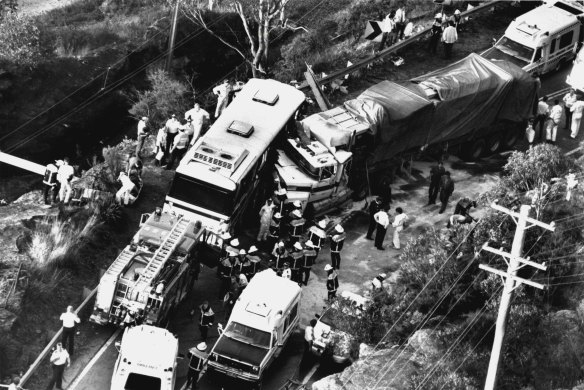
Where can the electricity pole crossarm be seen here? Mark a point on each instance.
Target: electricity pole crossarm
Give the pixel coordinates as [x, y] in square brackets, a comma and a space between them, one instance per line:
[515, 278]
[519, 259]
[511, 281]
[534, 222]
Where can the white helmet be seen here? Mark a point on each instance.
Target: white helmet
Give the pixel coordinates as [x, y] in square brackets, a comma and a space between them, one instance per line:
[438, 16]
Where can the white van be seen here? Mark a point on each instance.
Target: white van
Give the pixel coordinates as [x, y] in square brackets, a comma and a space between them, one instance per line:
[262, 321]
[576, 77]
[146, 360]
[542, 39]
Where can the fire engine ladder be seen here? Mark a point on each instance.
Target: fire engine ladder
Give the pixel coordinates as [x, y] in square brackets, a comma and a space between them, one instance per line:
[162, 254]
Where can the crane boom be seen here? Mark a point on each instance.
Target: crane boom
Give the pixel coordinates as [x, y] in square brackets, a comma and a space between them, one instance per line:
[22, 163]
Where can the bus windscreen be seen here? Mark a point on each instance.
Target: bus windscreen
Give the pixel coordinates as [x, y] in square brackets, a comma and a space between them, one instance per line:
[202, 194]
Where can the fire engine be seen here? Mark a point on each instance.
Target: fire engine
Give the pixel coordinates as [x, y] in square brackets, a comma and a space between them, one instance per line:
[152, 274]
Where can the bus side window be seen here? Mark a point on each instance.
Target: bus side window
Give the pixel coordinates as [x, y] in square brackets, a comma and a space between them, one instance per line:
[553, 46]
[566, 39]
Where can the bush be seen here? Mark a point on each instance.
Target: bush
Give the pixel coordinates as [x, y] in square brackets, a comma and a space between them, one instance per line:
[110, 212]
[165, 97]
[19, 41]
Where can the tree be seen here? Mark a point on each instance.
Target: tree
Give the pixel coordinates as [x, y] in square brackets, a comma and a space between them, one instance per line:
[165, 97]
[258, 18]
[19, 40]
[7, 6]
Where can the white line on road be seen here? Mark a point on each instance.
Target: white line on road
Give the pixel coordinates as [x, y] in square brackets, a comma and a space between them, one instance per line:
[308, 376]
[92, 362]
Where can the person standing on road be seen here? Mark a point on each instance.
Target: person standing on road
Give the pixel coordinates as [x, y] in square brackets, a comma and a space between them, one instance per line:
[160, 146]
[398, 226]
[554, 122]
[296, 226]
[400, 23]
[316, 234]
[446, 190]
[274, 232]
[197, 358]
[449, 37]
[569, 100]
[337, 241]
[576, 112]
[332, 282]
[222, 91]
[179, 147]
[50, 182]
[309, 337]
[69, 320]
[309, 260]
[388, 36]
[143, 133]
[64, 176]
[435, 33]
[382, 220]
[172, 125]
[436, 173]
[287, 272]
[374, 207]
[266, 213]
[206, 320]
[539, 125]
[59, 358]
[297, 260]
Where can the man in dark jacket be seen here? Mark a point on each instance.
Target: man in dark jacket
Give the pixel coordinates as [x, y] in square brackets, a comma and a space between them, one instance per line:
[206, 320]
[436, 173]
[446, 189]
[374, 207]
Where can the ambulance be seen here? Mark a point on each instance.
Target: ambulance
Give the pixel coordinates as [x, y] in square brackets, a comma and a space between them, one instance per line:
[543, 39]
[576, 77]
[147, 359]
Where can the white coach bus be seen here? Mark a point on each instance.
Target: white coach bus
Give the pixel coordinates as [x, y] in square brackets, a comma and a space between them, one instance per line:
[219, 176]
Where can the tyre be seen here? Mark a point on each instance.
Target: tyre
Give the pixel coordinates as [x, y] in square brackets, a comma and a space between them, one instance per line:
[474, 150]
[494, 143]
[510, 138]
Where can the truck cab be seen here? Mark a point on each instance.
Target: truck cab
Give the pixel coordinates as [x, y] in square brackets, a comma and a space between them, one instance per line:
[146, 360]
[260, 325]
[542, 39]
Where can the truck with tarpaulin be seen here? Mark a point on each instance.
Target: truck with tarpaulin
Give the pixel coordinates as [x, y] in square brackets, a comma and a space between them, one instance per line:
[472, 107]
[152, 274]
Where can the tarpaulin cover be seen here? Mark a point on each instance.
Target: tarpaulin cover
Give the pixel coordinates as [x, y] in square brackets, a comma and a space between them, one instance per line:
[471, 95]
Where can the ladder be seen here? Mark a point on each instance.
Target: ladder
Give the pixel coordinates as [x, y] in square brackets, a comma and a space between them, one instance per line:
[120, 262]
[162, 254]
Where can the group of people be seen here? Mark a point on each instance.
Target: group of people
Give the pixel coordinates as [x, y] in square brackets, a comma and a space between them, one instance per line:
[57, 182]
[548, 119]
[131, 180]
[176, 137]
[379, 223]
[394, 27]
[445, 29]
[61, 354]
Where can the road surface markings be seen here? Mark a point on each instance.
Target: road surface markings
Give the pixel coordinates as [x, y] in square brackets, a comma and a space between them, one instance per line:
[94, 360]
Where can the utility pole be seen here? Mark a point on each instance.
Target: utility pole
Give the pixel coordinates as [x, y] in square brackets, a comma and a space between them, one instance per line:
[512, 281]
[172, 35]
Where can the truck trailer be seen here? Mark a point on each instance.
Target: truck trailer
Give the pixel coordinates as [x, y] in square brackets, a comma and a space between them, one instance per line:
[472, 107]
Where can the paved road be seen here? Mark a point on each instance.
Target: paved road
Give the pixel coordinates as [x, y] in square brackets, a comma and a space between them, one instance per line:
[362, 263]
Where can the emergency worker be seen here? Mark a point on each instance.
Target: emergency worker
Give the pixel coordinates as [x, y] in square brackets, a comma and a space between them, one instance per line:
[274, 230]
[296, 226]
[197, 360]
[206, 319]
[337, 241]
[51, 183]
[279, 255]
[254, 260]
[317, 235]
[64, 176]
[309, 260]
[296, 261]
[332, 282]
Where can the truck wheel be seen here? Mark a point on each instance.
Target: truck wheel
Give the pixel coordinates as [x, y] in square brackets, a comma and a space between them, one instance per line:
[510, 138]
[474, 150]
[494, 143]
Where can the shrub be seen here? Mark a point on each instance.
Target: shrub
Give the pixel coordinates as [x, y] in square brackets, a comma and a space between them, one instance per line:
[19, 41]
[165, 97]
[109, 212]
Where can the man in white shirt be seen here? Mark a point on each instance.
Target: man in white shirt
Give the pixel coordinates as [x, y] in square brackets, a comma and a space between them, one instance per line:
[569, 99]
[123, 195]
[388, 28]
[382, 220]
[59, 358]
[222, 91]
[199, 118]
[554, 122]
[64, 176]
[142, 134]
[400, 22]
[69, 320]
[398, 224]
[172, 125]
[449, 37]
[309, 337]
[543, 110]
[576, 113]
